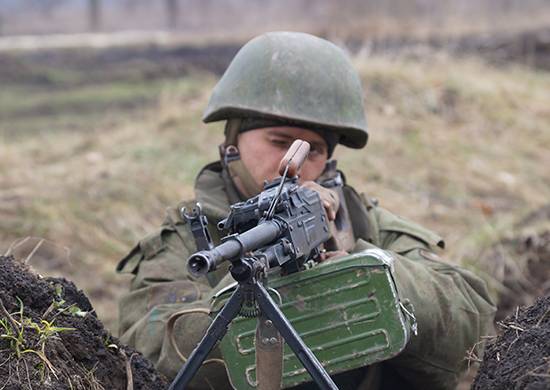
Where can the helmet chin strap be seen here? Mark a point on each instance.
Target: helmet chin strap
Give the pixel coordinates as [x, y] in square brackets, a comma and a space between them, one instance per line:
[231, 159]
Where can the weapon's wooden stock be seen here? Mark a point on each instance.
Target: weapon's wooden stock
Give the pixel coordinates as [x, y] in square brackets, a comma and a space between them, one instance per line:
[295, 157]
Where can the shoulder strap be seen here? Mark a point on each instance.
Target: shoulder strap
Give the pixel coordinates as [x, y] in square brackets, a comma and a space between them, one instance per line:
[231, 159]
[362, 219]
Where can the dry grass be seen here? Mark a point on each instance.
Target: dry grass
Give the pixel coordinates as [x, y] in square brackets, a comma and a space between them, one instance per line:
[455, 144]
[96, 191]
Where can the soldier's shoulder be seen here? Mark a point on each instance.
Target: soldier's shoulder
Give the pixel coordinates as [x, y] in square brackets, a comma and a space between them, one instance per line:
[172, 234]
[405, 233]
[174, 215]
[392, 230]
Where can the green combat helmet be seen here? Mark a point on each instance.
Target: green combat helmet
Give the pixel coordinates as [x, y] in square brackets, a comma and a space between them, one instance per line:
[296, 77]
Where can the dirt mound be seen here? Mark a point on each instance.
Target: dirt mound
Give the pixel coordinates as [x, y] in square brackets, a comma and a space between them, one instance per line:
[50, 338]
[531, 275]
[520, 357]
[520, 263]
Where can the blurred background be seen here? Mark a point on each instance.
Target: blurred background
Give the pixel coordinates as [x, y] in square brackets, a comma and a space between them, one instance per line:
[100, 130]
[241, 18]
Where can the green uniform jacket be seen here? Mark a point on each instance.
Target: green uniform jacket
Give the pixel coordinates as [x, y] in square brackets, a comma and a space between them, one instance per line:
[166, 312]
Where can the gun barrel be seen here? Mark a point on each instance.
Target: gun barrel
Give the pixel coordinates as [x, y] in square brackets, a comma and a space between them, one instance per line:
[233, 247]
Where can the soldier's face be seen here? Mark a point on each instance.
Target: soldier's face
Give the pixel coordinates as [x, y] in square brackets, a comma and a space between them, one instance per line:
[262, 150]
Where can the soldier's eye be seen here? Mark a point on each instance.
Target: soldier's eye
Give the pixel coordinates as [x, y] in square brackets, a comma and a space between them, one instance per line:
[316, 152]
[280, 143]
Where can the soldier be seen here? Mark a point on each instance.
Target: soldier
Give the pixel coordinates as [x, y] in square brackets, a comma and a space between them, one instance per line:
[281, 87]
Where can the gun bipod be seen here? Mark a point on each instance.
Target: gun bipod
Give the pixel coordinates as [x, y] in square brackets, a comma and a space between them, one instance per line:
[246, 272]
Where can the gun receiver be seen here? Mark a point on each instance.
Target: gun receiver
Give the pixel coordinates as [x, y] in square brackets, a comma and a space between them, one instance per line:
[289, 238]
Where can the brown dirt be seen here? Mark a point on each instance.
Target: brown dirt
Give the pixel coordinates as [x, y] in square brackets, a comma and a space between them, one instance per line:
[42, 67]
[150, 62]
[521, 291]
[85, 357]
[520, 357]
[520, 262]
[529, 47]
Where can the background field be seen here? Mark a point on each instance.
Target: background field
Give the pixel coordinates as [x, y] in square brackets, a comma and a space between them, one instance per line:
[90, 161]
[95, 143]
[364, 19]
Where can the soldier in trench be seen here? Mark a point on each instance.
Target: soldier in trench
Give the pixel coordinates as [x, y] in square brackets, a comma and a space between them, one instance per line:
[281, 87]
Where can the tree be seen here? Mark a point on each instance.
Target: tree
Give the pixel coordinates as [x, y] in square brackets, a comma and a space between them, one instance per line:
[94, 14]
[172, 13]
[47, 7]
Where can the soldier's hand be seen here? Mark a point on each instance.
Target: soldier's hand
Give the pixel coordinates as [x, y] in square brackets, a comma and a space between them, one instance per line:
[328, 197]
[332, 255]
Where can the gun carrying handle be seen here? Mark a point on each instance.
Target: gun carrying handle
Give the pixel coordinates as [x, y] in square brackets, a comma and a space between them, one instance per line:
[294, 158]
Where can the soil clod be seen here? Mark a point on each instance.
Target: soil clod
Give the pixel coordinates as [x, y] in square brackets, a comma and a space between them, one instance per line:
[520, 263]
[520, 357]
[50, 338]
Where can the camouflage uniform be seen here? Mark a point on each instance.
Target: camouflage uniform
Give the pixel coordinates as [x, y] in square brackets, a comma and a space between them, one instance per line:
[166, 312]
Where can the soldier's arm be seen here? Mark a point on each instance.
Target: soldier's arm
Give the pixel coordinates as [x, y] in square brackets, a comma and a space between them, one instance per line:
[166, 311]
[452, 306]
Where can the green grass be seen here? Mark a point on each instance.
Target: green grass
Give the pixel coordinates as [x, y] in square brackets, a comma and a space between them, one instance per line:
[456, 145]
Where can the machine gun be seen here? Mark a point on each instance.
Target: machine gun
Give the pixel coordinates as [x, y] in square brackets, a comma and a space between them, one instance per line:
[284, 226]
[281, 227]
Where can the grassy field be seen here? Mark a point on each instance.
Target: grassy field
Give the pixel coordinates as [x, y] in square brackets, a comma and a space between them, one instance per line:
[90, 165]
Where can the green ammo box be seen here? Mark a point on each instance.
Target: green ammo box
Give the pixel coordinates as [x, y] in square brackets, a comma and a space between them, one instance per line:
[347, 311]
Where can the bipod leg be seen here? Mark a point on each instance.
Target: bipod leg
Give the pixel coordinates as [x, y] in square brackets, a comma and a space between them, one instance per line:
[215, 332]
[270, 309]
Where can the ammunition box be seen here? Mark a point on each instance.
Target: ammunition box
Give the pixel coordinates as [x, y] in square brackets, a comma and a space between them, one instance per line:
[347, 311]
